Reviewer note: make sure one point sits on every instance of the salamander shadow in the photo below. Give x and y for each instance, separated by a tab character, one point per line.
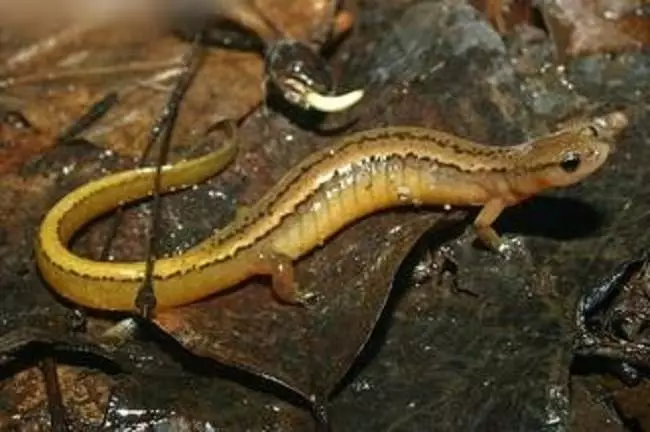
560	218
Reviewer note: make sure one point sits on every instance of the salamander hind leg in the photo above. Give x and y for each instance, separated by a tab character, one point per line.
280	268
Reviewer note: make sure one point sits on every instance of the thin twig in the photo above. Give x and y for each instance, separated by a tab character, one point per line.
90	117
54	398
162	129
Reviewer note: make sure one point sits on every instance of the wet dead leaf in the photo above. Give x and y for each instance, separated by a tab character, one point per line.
74	68
504	15
86	396
18	145
612	326
308	349
580	27
297	19
588	413
101	387
632	403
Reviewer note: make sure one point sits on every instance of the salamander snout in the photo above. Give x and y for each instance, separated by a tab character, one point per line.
609	125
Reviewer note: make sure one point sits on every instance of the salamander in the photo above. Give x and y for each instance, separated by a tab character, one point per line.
363	173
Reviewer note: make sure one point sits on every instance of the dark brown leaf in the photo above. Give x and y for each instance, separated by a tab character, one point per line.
308	349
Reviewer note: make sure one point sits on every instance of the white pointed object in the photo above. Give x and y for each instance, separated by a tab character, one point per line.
332	103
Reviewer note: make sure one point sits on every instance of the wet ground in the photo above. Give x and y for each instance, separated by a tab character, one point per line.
389	343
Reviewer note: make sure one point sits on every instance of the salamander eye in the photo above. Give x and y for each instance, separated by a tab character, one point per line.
570	162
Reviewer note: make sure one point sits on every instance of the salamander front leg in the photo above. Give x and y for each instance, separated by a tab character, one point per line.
283	283
483	224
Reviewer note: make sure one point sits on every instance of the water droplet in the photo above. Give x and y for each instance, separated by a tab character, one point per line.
404	193
68	169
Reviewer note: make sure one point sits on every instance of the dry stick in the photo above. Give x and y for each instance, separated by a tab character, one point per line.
90	117
94	72
93	114
44	46
146	300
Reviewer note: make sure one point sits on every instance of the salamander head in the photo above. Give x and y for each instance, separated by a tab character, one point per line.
571	154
